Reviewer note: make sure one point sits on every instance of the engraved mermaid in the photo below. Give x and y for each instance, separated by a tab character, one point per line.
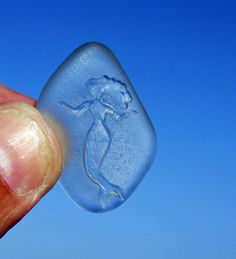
109	97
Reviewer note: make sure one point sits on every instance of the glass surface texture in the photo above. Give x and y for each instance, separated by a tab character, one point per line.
109	142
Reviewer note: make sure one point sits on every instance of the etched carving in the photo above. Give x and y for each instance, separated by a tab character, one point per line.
109	96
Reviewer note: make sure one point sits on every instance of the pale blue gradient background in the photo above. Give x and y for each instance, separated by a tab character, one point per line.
181	58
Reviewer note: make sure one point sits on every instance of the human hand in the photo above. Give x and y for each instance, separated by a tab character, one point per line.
30	157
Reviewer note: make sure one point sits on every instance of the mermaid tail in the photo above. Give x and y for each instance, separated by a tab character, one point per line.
106	194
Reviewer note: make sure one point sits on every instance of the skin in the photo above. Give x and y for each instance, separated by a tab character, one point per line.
30	157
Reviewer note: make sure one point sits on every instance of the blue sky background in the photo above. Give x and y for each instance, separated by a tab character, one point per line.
181	58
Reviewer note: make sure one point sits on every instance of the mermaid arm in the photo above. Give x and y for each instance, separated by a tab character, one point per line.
120	116
77	109
116	115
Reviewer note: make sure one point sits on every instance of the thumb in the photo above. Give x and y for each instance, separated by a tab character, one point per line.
30	161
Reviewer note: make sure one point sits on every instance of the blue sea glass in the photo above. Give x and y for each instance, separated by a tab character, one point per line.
108	140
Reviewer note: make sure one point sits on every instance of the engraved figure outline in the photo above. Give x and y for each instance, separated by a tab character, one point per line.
110	97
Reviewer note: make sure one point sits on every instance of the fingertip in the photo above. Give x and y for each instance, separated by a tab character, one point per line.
7	95
30	161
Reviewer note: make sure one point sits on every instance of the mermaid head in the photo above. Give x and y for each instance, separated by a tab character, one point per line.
110	91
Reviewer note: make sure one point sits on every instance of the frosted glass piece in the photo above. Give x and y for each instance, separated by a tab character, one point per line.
109	141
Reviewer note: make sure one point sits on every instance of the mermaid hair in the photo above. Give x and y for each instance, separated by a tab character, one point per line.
99	85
